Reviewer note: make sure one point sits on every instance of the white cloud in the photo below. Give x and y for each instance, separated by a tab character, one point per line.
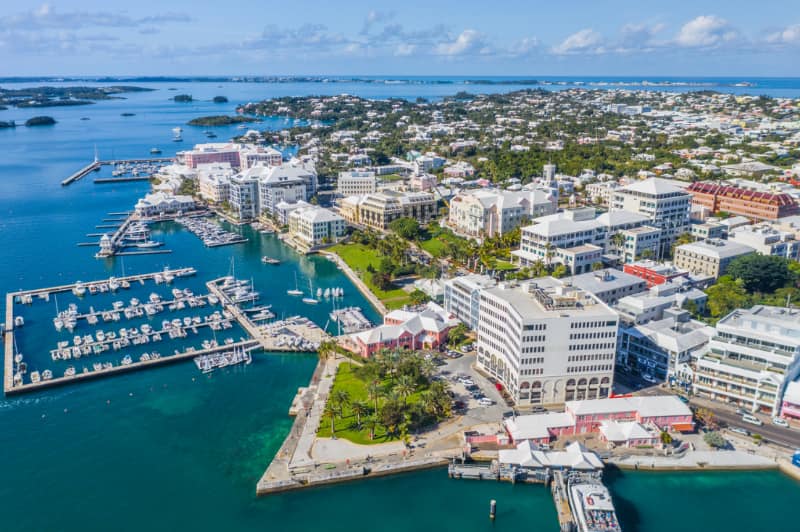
788	35
46	16
405	49
585	40
524	46
706	31
375	18
468	42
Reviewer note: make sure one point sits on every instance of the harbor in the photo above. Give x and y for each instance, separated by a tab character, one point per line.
97	164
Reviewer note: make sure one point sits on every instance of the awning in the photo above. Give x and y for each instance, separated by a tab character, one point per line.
683	427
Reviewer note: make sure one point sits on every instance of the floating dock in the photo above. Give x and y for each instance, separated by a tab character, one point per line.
13	298
96	164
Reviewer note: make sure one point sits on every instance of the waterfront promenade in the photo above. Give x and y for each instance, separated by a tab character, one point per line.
356	280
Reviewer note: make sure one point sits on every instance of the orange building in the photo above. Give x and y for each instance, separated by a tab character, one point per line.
742	201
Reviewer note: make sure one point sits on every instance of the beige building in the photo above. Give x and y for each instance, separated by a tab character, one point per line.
378	210
710	257
313	225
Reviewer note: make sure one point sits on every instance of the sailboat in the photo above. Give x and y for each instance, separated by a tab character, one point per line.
296	291
310	299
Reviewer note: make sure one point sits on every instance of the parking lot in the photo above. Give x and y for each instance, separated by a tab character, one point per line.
464	381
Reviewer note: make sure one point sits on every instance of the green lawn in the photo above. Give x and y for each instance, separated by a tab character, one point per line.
505	265
358	257
346	425
434	246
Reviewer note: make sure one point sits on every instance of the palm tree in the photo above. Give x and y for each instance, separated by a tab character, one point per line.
374	392
426	401
371	422
359	408
330	412
404	388
340	399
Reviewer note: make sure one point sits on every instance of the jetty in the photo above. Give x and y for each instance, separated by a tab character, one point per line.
97	164
274	336
27	296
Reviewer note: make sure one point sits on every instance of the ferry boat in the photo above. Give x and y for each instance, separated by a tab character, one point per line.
592	507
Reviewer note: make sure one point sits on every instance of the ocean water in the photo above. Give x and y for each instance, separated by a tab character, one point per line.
170	449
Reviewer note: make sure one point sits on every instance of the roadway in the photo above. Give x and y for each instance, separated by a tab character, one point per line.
725	414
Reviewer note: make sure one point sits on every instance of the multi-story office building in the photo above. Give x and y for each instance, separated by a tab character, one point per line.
659	348
314	225
665	204
751	359
378	210
462	297
709	257
578	238
212	152
608	285
356	183
488	213
244	197
767	240
547	342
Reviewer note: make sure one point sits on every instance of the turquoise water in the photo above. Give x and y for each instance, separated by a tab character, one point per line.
169	449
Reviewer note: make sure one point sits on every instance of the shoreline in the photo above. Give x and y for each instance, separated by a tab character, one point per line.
356	280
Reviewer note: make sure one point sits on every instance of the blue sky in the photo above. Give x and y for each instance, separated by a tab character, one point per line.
414	37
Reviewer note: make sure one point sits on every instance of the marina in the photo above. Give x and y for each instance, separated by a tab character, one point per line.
350	320
210	233
97	164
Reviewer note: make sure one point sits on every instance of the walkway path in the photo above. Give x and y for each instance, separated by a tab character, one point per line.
362	287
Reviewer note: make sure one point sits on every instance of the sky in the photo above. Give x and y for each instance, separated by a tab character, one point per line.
697	38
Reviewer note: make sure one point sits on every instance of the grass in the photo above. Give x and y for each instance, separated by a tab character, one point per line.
359	257
504	265
346	425
434	246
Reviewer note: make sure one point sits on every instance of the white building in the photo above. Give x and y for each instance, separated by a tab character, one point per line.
752	357
314	225
547	342
250	155
244	196
489	212
660	347
214	181
356	183
767	240
577	239
462	297
160	203
289	182
608	285
654	303
666	204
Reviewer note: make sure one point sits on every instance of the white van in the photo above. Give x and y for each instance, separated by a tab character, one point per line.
753	420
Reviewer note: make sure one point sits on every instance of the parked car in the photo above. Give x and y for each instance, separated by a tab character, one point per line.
538	409
780	422
741	411
753	420
740	430
649	378
485	401
684	400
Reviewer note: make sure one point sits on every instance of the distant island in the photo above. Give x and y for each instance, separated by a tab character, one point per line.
220	99
35	97
183	98
221	120
40	121
7	124
128	114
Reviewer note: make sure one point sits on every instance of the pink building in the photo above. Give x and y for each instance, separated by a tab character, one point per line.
612	418
790	406
216	152
403	329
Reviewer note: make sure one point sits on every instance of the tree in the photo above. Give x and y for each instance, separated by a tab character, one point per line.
359	408
371	423
715	439
560	271
418	297
760	273
374	393
457	335
341	398
597	266
727	295
706	417
666	437
330	413
405	227
404	388
381	280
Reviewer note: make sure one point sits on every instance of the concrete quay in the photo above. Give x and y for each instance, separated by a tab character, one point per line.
95	165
